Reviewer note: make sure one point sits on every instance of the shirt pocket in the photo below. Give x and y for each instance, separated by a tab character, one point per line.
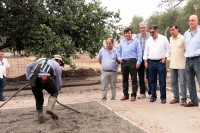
113	57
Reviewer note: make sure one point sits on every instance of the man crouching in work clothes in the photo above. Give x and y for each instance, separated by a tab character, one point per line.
45	74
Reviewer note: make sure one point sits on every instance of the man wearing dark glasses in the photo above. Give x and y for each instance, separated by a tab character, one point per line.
155	54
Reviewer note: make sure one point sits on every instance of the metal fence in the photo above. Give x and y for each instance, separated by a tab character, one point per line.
18	63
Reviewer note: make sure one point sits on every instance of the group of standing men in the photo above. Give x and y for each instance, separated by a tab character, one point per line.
146	53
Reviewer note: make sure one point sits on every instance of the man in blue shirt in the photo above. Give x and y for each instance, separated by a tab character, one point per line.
192	68
45	74
108	59
130	56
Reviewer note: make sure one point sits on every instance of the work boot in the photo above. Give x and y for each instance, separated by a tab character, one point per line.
41	116
50	107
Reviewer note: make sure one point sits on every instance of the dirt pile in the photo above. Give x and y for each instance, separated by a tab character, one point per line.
66	74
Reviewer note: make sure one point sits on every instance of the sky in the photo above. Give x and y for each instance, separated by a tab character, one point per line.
130	8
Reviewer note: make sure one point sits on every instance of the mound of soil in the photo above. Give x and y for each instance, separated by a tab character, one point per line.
67	74
80	73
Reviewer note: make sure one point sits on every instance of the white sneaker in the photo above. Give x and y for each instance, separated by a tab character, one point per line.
150	96
141	96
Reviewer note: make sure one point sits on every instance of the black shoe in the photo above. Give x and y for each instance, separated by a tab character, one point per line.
2	99
190	104
163	101
152	100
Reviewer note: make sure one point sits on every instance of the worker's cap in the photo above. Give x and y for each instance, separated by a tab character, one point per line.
58	57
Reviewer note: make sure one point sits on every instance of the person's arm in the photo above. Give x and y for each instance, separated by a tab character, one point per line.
145	56
139	52
28	70
100	56
167	48
58	74
119	51
7	71
7	68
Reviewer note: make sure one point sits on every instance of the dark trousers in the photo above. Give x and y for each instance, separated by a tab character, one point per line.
156	67
126	68
141	71
48	85
147	77
2	85
192	68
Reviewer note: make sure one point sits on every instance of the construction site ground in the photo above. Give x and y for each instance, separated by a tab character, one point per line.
110	116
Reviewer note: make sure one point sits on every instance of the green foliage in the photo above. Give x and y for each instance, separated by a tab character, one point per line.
47	27
135	23
178	16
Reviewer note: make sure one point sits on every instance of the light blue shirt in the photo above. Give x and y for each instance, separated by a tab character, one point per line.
108	60
192	41
131	49
55	66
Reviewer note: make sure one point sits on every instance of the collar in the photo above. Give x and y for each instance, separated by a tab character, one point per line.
113	49
133	36
197	29
177	37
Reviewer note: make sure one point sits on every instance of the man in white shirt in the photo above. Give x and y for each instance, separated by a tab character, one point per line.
155	54
4	65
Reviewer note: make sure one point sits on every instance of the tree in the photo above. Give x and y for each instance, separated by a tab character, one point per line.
171	3
47	27
178	16
135	23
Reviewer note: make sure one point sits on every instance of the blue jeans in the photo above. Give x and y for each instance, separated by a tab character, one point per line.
178	75
192	69
157	68
2	85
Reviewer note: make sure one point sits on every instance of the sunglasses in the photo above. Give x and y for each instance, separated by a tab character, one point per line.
152	32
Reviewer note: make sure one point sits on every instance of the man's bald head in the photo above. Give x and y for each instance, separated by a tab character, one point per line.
193	22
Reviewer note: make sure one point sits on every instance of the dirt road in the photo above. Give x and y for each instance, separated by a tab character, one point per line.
151	117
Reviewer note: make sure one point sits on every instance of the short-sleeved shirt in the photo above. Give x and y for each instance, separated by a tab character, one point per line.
108	59
3	66
177	52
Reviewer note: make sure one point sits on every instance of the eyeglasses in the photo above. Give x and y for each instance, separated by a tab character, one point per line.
152	32
191	20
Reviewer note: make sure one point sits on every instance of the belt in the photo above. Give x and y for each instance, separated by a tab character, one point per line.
44	74
129	60
155	60
109	71
193	58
